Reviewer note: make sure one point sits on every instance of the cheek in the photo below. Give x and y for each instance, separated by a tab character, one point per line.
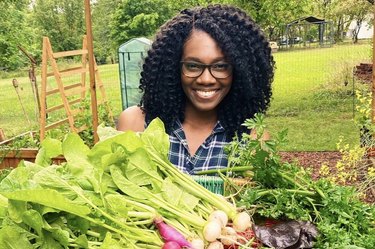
227	84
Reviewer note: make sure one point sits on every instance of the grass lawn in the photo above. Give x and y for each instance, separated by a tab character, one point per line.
312	97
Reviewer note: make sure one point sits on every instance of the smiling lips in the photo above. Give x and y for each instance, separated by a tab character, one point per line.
205	94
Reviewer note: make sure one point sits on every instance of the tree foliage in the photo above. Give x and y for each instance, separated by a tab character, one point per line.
25	22
14	32
102	14
135	18
62	21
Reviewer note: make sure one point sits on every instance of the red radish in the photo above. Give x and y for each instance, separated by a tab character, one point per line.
169	233
171	245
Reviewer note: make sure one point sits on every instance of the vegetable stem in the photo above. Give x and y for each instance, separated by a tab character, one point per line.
225	170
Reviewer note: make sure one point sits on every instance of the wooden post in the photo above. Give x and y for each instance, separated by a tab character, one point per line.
90	48
2	135
43	100
373	67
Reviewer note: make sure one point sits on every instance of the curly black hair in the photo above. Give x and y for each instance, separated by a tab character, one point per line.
243	44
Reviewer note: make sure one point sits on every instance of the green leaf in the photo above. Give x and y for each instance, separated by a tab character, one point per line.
127	186
53	147
106	132
171	193
49	242
75	152
3	206
12	238
19	177
82	241
129	139
58	233
50	198
34	220
156	138
111	243
140	169
16	210
118	204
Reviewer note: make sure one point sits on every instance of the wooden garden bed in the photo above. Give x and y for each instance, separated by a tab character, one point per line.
11	158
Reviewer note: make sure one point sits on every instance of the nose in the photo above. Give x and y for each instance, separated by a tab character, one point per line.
206	77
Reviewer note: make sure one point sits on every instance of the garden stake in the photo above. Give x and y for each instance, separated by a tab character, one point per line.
16	86
32	78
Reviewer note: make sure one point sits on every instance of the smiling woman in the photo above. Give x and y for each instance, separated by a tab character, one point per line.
208	70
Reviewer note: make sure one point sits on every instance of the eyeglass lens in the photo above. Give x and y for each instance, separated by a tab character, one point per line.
217	70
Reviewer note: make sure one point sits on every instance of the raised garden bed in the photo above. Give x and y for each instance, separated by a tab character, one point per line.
10	158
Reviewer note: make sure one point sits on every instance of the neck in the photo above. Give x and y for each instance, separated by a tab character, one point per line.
198	118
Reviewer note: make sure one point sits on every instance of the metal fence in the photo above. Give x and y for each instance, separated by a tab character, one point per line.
313	96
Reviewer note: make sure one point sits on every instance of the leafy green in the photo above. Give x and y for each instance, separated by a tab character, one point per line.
104	197
281	190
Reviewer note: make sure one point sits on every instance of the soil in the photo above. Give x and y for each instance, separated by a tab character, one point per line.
313	160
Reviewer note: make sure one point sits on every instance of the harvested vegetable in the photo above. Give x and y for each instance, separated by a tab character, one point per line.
197	244
110	196
219	215
215	245
212	230
242	221
170	234
171	245
286	191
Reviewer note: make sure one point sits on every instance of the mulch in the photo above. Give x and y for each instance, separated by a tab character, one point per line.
313	161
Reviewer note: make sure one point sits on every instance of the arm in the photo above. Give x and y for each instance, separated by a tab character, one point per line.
132	118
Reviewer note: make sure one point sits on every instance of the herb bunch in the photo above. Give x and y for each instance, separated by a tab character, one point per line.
282	190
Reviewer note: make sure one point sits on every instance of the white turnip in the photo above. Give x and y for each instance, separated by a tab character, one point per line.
215	245
219	215
228	236
212	230
197	244
241	222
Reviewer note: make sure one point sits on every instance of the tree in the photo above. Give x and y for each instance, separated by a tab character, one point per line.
135	18
359	11
102	15
272	15
60	20
14	31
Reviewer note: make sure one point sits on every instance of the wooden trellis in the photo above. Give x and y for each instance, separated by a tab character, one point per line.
71	94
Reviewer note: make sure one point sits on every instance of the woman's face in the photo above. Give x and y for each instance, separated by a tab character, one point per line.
204	91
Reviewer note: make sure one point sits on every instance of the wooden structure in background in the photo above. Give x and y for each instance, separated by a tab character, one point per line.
373	67
71	94
90	49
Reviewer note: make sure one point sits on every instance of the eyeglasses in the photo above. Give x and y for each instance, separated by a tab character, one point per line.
218	70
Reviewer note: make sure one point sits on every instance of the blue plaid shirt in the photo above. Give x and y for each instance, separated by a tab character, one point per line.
210	154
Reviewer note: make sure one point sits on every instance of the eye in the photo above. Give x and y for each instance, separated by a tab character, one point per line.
191	66
220	66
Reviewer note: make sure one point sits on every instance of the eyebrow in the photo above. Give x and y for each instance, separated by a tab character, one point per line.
195	59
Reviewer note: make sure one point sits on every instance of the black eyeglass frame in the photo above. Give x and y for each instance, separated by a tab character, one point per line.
204	66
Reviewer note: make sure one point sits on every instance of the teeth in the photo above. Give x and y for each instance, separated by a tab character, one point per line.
206	93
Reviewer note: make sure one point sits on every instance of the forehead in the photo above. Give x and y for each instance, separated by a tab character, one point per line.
201	46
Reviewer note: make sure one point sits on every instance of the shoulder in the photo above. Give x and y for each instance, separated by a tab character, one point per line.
132	118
